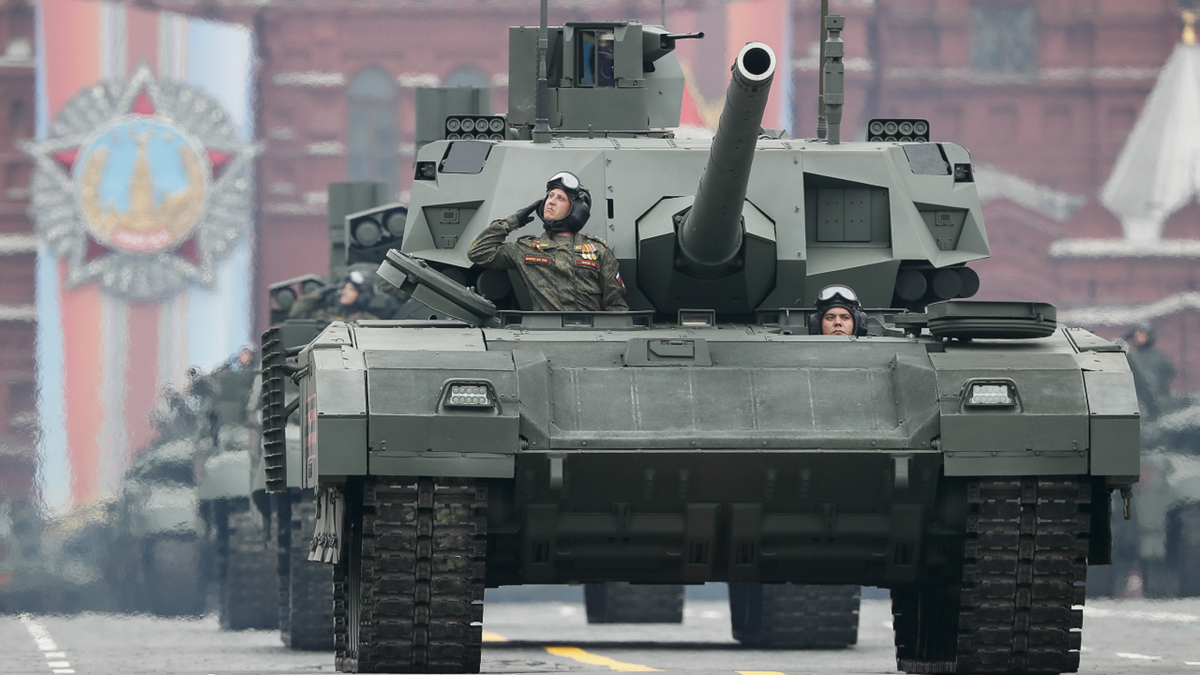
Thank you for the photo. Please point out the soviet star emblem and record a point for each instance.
(143, 186)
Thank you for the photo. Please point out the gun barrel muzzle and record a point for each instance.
(711, 235)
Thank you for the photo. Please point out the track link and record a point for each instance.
(621, 602)
(248, 598)
(1023, 566)
(413, 579)
(794, 616)
(309, 602)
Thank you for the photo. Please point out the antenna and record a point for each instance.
(834, 77)
(821, 73)
(541, 122)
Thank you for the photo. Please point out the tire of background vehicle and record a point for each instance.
(415, 556)
(1186, 551)
(794, 616)
(1161, 579)
(248, 597)
(620, 602)
(1102, 580)
(173, 573)
(1021, 572)
(281, 533)
(310, 585)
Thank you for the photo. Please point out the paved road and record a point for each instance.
(1119, 637)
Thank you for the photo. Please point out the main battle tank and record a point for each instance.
(961, 453)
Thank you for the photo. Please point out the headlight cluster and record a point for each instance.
(991, 395)
(469, 395)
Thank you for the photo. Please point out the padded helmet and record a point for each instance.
(838, 295)
(366, 289)
(581, 203)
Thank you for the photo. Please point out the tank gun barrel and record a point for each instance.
(710, 235)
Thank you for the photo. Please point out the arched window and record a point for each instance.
(373, 131)
(467, 76)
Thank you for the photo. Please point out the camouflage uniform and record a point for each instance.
(580, 276)
(318, 305)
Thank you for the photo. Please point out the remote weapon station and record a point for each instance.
(959, 453)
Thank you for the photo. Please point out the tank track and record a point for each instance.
(247, 589)
(309, 608)
(413, 577)
(173, 573)
(1024, 561)
(794, 616)
(620, 602)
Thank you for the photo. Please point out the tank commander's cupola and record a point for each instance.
(603, 78)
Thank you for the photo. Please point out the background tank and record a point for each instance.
(243, 560)
(1154, 553)
(961, 455)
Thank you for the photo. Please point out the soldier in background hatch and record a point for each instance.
(838, 313)
(347, 302)
(563, 269)
(1152, 370)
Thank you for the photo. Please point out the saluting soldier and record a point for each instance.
(563, 269)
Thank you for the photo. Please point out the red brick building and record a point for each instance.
(1043, 93)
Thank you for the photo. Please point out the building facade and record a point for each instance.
(1044, 94)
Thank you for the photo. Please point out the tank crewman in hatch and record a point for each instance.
(349, 303)
(563, 269)
(838, 313)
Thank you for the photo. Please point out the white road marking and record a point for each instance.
(39, 633)
(46, 643)
(1138, 657)
(1191, 663)
(1158, 617)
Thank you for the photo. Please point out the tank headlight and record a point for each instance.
(994, 394)
(469, 395)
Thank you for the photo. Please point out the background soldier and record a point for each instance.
(1152, 370)
(347, 302)
(563, 269)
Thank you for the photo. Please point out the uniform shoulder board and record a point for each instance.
(527, 239)
(596, 239)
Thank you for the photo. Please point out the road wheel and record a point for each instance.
(794, 616)
(248, 596)
(173, 573)
(416, 550)
(619, 602)
(1024, 561)
(309, 614)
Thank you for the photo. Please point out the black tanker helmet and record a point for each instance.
(581, 203)
(366, 289)
(838, 295)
